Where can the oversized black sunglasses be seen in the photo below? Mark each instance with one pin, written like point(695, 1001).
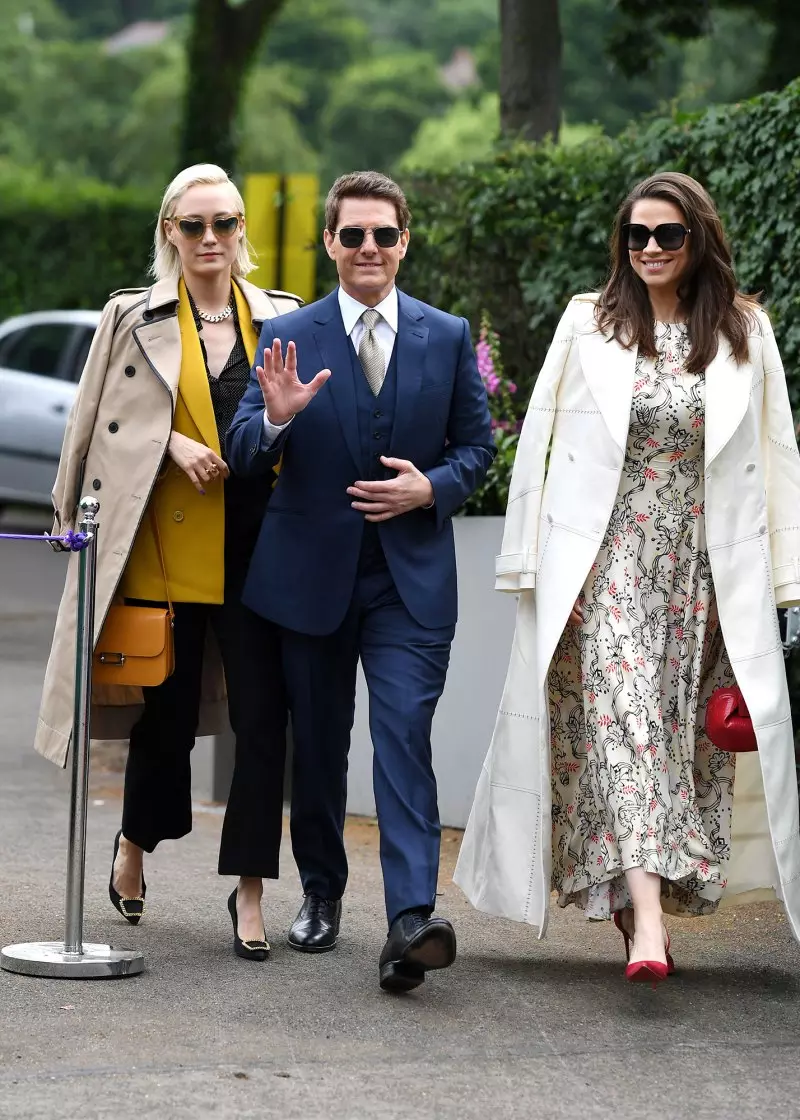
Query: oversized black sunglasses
point(669, 236)
point(352, 237)
point(193, 229)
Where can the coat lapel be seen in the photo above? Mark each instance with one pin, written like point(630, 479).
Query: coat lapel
point(159, 336)
point(160, 344)
point(609, 369)
point(334, 350)
point(260, 305)
point(193, 387)
point(728, 387)
point(412, 344)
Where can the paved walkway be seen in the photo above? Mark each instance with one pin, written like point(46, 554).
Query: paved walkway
point(518, 1028)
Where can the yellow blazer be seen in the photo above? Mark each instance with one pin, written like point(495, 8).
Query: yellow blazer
point(191, 525)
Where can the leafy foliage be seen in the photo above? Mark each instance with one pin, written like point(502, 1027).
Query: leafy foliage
point(491, 498)
point(512, 237)
point(519, 235)
point(376, 107)
point(643, 31)
point(82, 240)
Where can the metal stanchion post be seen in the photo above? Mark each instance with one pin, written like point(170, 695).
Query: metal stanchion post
point(71, 958)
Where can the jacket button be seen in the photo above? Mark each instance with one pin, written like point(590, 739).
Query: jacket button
point(147, 316)
point(177, 515)
point(113, 427)
point(377, 435)
point(762, 529)
point(377, 415)
point(96, 484)
point(130, 371)
point(550, 518)
point(751, 466)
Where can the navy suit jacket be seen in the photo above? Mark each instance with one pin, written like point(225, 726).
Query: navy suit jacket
point(303, 570)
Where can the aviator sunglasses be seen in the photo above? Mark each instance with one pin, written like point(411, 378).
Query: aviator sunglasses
point(669, 236)
point(193, 229)
point(352, 237)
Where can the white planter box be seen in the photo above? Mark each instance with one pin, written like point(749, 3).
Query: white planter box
point(467, 710)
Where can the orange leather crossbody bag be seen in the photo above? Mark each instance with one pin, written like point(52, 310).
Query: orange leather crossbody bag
point(136, 645)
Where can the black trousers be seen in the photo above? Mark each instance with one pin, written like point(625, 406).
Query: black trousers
point(157, 802)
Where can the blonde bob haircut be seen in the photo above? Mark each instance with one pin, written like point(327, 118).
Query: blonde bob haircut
point(166, 264)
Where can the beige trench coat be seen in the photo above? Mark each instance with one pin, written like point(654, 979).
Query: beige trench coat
point(114, 446)
point(555, 523)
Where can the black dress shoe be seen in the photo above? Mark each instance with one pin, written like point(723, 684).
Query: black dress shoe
point(416, 943)
point(247, 950)
point(316, 927)
point(130, 908)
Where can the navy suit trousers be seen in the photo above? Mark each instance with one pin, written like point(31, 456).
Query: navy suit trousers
point(405, 666)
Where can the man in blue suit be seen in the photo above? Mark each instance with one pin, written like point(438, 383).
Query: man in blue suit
point(356, 559)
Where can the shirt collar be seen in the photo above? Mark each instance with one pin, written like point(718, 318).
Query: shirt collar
point(352, 310)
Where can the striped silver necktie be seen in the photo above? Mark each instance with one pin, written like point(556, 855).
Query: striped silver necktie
point(370, 352)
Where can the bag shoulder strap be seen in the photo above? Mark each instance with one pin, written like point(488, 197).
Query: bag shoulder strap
point(157, 535)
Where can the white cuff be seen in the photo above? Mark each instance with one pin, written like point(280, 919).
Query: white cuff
point(515, 582)
point(272, 431)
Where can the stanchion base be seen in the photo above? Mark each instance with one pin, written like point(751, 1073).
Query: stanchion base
point(48, 958)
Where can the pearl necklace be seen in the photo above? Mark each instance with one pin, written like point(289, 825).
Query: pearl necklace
point(218, 318)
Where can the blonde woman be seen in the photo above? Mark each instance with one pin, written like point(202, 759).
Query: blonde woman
point(161, 385)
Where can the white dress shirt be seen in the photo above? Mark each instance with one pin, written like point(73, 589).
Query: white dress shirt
point(385, 328)
point(352, 310)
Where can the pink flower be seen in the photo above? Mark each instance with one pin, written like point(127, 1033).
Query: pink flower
point(512, 388)
point(483, 352)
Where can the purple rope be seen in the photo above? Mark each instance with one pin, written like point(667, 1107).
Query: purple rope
point(71, 540)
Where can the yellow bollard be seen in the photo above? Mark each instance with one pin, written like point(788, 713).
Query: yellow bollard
point(282, 227)
point(300, 232)
point(262, 196)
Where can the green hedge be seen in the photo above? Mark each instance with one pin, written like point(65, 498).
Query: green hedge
point(519, 236)
point(515, 237)
point(67, 243)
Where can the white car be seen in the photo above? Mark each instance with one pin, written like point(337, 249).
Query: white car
point(42, 356)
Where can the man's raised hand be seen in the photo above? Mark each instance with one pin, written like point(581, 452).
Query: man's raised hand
point(284, 393)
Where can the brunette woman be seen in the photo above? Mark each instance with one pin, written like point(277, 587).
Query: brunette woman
point(648, 556)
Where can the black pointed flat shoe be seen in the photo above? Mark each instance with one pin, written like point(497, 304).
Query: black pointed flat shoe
point(130, 908)
point(247, 950)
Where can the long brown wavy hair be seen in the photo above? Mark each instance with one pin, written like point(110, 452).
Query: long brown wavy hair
point(709, 299)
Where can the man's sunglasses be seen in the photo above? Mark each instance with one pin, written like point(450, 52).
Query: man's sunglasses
point(669, 236)
point(352, 237)
point(193, 229)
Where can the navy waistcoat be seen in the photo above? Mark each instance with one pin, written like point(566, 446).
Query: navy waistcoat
point(375, 422)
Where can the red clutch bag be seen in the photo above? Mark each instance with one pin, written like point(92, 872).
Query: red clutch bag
point(728, 722)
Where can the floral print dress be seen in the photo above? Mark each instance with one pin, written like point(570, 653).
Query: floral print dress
point(635, 781)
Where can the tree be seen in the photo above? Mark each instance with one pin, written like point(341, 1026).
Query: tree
point(316, 40)
point(643, 28)
point(267, 135)
point(466, 133)
point(530, 68)
point(438, 26)
point(222, 47)
point(375, 108)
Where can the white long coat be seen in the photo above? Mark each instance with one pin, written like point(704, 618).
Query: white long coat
point(555, 523)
